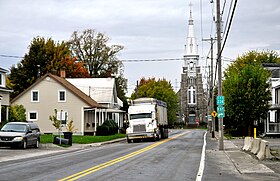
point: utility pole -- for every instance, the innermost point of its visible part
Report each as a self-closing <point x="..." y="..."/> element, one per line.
<point x="212" y="89"/>
<point x="219" y="59"/>
<point x="137" y="89"/>
<point x="211" y="92"/>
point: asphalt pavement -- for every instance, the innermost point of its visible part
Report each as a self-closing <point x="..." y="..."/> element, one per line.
<point x="238" y="162"/>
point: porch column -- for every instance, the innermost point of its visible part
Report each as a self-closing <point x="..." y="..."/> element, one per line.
<point x="7" y="112"/>
<point x="95" y="117"/>
<point x="99" y="119"/>
<point x="102" y="113"/>
<point x="0" y="107"/>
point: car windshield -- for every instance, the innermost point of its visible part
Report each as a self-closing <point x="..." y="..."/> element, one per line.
<point x="140" y="116"/>
<point x="14" y="128"/>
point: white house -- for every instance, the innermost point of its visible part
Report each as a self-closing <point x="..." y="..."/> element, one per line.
<point x="272" y="123"/>
<point x="51" y="92"/>
<point x="4" y="92"/>
<point x="104" y="92"/>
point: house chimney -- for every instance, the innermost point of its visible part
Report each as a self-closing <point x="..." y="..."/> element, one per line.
<point x="62" y="74"/>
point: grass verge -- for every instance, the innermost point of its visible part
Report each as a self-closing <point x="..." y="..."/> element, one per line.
<point x="48" y="138"/>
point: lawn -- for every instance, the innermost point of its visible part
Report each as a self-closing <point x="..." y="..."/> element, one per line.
<point x="48" y="138"/>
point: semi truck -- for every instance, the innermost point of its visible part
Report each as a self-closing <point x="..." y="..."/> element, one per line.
<point x="147" y="119"/>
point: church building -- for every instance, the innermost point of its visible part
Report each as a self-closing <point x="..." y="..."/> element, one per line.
<point x="192" y="97"/>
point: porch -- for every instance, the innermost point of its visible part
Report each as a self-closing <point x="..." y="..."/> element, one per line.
<point x="94" y="117"/>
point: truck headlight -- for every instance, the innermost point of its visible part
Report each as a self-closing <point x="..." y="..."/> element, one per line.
<point x="18" y="138"/>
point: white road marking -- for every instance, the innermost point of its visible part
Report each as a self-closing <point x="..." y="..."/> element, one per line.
<point x="202" y="161"/>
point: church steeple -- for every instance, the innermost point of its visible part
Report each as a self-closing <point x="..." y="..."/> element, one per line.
<point x="191" y="40"/>
<point x="191" y="57"/>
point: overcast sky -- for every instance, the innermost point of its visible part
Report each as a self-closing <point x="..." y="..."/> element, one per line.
<point x="148" y="29"/>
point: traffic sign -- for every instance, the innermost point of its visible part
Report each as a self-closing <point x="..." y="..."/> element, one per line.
<point x="214" y="114"/>
<point x="220" y="109"/>
<point x="220" y="100"/>
<point x="221" y="115"/>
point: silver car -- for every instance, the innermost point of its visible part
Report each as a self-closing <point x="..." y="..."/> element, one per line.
<point x="20" y="134"/>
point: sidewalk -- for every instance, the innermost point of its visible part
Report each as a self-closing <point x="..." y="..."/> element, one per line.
<point x="237" y="163"/>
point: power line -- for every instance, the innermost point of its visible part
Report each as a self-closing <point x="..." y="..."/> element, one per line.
<point x="231" y="18"/>
<point x="10" y="56"/>
<point x="152" y="60"/>
<point x="220" y="53"/>
<point x="227" y="21"/>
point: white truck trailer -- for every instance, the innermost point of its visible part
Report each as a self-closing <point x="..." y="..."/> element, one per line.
<point x="147" y="119"/>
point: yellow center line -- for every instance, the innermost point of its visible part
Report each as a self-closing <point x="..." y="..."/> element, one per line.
<point x="114" y="161"/>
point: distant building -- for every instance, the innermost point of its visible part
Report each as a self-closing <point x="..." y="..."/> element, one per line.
<point x="191" y="94"/>
<point x="272" y="123"/>
<point x="4" y="93"/>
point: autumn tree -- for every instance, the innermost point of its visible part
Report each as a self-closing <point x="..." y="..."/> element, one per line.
<point x="93" y="50"/>
<point x="44" y="55"/>
<point x="162" y="90"/>
<point x="246" y="89"/>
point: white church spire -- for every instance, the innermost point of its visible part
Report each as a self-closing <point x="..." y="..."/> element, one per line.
<point x="191" y="40"/>
<point x="191" y="57"/>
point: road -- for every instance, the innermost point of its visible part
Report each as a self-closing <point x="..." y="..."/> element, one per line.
<point x="170" y="159"/>
<point x="177" y="158"/>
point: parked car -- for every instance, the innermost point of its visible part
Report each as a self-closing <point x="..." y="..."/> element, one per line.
<point x="20" y="134"/>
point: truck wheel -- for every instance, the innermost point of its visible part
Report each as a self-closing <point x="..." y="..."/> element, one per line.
<point x="160" y="136"/>
<point x="128" y="140"/>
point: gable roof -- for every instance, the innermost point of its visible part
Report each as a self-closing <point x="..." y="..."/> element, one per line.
<point x="3" y="70"/>
<point x="68" y="86"/>
<point x="103" y="90"/>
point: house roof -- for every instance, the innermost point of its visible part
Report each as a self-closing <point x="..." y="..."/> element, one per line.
<point x="102" y="90"/>
<point x="5" y="89"/>
<point x="68" y="86"/>
<point x="3" y="70"/>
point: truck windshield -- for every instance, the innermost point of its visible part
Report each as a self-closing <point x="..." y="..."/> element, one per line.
<point x="141" y="116"/>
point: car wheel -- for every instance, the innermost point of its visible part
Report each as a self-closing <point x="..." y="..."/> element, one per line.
<point x="24" y="144"/>
<point x="37" y="144"/>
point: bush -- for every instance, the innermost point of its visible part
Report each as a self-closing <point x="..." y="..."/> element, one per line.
<point x="109" y="127"/>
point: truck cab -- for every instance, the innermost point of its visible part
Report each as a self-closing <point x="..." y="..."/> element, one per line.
<point x="144" y="120"/>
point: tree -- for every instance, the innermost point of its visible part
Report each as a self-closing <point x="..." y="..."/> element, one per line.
<point x="55" y="121"/>
<point x="71" y="66"/>
<point x="246" y="89"/>
<point x="17" y="113"/>
<point x="44" y="56"/>
<point x="91" y="48"/>
<point x="161" y="90"/>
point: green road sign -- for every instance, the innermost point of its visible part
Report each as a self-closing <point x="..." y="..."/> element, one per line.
<point x="221" y="115"/>
<point x="220" y="100"/>
<point x="221" y="109"/>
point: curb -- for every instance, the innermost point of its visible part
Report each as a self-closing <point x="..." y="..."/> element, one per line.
<point x="103" y="143"/>
<point x="81" y="146"/>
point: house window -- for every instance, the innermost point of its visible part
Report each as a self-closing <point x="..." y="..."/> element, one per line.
<point x="276" y="96"/>
<point x="35" y="96"/>
<point x="192" y="96"/>
<point x="1" y="82"/>
<point x="61" y="96"/>
<point x="33" y="116"/>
